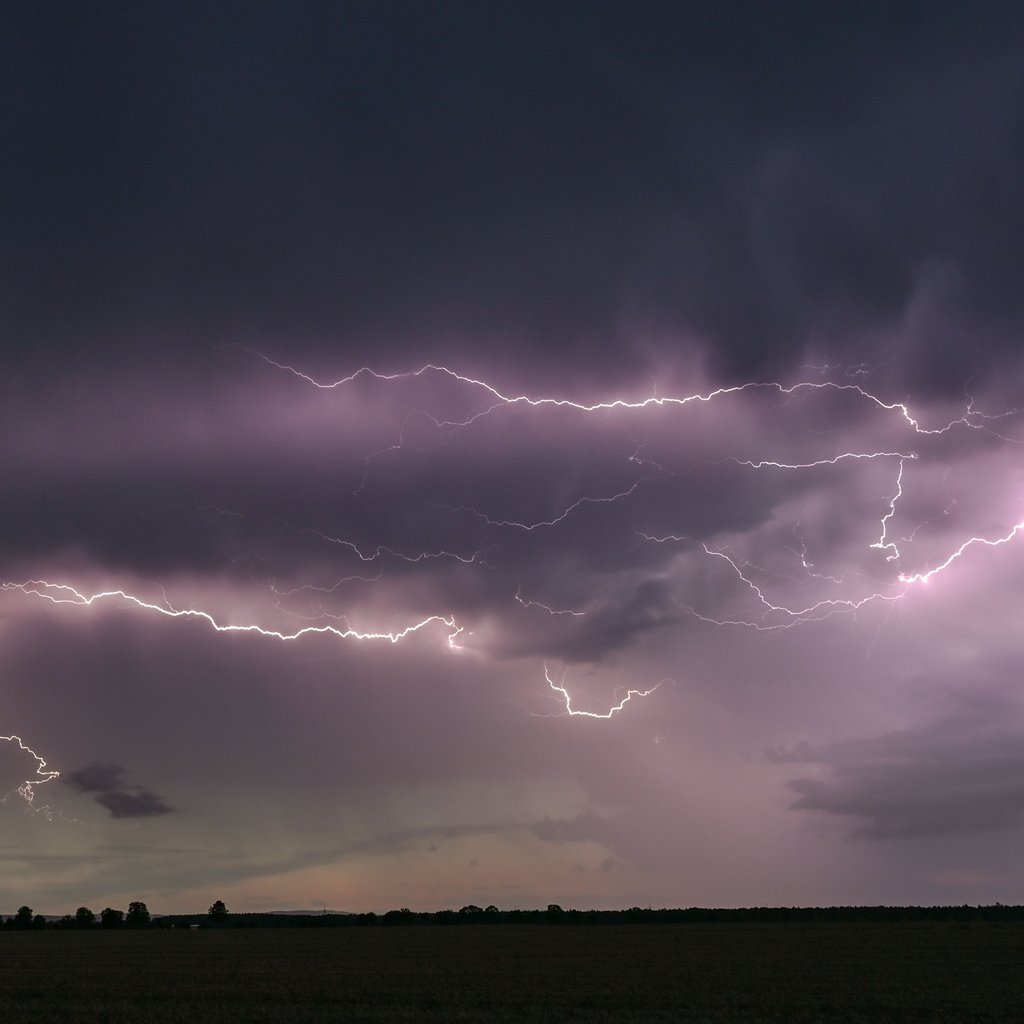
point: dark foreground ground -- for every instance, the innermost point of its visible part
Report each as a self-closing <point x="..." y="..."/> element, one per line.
<point x="936" y="972"/>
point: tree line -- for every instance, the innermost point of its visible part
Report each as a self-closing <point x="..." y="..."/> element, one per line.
<point x="218" y="916"/>
<point x="137" y="916"/>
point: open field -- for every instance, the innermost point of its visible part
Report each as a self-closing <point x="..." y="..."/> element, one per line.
<point x="946" y="972"/>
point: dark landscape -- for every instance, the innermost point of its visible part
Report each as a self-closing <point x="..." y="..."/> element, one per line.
<point x="864" y="965"/>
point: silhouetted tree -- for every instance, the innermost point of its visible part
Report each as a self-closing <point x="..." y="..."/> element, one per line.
<point x="218" y="912"/>
<point x="39" y="921"/>
<point x="84" y="917"/>
<point x="23" y="918"/>
<point x="111" y="918"/>
<point x="138" y="914"/>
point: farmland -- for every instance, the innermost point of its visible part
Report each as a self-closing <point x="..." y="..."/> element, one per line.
<point x="747" y="972"/>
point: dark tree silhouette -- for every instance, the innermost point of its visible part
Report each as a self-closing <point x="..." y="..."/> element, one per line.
<point x="218" y="912"/>
<point x="111" y="918"/>
<point x="23" y="918"/>
<point x="138" y="914"/>
<point x="84" y="917"/>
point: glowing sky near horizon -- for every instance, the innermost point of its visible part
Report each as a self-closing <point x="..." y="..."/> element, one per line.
<point x="411" y="501"/>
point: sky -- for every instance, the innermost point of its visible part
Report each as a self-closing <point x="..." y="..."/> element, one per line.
<point x="511" y="454"/>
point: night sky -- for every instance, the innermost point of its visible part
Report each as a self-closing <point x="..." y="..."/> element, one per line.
<point x="511" y="454"/>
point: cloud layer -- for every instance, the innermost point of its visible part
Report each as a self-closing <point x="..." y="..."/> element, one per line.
<point x="400" y="390"/>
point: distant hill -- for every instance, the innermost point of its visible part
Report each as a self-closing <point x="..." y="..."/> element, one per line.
<point x="319" y="912"/>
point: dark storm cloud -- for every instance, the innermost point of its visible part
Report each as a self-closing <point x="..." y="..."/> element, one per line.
<point x="939" y="780"/>
<point x="614" y="622"/>
<point x="105" y="782"/>
<point x="565" y="532"/>
<point x="95" y="778"/>
<point x="545" y="178"/>
<point x="137" y="803"/>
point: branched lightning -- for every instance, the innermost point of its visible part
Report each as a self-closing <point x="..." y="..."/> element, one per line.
<point x="989" y="542"/>
<point x="547" y="608"/>
<point x="882" y="544"/>
<point x="561" y="517"/>
<point x="968" y="419"/>
<point x="26" y="787"/>
<point x="809" y="567"/>
<point x="378" y="552"/>
<point x="772" y="613"/>
<point x="826" y="607"/>
<point x="560" y="689"/>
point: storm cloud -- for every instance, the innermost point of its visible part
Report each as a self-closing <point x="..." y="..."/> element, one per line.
<point x="105" y="782"/>
<point x="944" y="779"/>
<point x="494" y="428"/>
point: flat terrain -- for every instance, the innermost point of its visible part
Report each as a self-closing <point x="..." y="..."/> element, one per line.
<point x="870" y="973"/>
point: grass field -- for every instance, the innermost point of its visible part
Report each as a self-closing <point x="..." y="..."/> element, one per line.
<point x="869" y="973"/>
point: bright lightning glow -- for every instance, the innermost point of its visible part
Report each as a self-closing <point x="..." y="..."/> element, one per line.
<point x="990" y="542"/>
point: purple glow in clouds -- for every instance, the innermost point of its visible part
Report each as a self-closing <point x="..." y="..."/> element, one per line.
<point x="457" y="455"/>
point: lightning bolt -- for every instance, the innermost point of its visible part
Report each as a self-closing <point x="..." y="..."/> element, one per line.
<point x="766" y="463"/>
<point x="63" y="593"/>
<point x="967" y="419"/>
<point x="988" y="542"/>
<point x="560" y="689"/>
<point x="822" y="609"/>
<point x="882" y="544"/>
<point x="560" y="518"/>
<point x="379" y="551"/>
<point x="26" y="788"/>
<point x="544" y="607"/>
<point x="774" y="614"/>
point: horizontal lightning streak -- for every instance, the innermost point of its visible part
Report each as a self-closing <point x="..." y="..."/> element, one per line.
<point x="551" y="611"/>
<point x="652" y="401"/>
<point x="382" y="549"/>
<point x="767" y="463"/>
<point x="530" y="527"/>
<point x="377" y="554"/>
<point x="62" y="593"/>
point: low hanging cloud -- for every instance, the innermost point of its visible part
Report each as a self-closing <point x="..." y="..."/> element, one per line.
<point x="105" y="782"/>
<point x="944" y="779"/>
